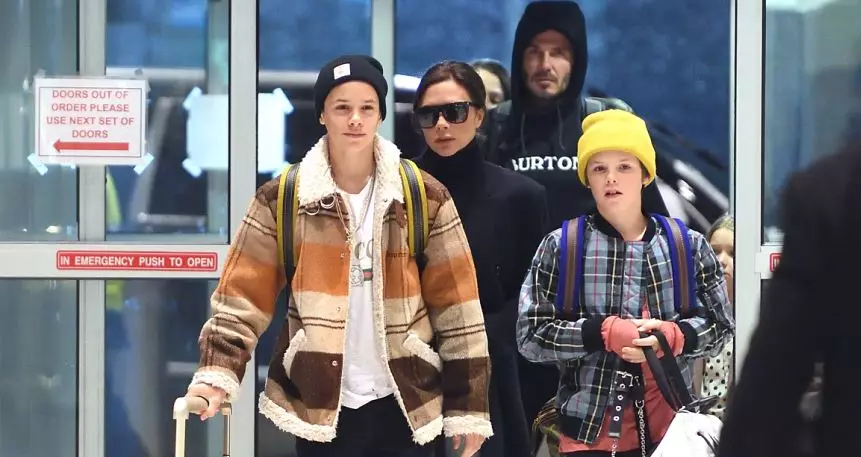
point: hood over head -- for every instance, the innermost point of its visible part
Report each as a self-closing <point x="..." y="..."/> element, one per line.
<point x="540" y="16"/>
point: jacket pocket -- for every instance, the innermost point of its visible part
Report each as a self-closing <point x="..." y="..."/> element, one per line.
<point x="425" y="362"/>
<point x="297" y="343"/>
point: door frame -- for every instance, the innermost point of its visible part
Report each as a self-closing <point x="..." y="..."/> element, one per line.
<point x="748" y="120"/>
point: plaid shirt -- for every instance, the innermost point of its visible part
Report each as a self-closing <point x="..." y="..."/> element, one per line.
<point x="620" y="279"/>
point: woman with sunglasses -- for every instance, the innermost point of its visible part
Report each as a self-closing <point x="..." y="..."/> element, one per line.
<point x="353" y="373"/>
<point x="503" y="214"/>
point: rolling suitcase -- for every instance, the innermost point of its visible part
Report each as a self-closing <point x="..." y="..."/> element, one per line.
<point x="184" y="406"/>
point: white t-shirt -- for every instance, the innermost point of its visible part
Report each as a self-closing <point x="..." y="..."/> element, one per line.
<point x="367" y="373"/>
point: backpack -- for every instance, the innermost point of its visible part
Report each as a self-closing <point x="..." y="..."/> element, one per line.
<point x="415" y="199"/>
<point x="588" y="105"/>
<point x="571" y="261"/>
<point x="500" y="115"/>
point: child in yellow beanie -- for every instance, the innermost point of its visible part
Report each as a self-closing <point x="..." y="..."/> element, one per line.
<point x="614" y="133"/>
<point x="604" y="286"/>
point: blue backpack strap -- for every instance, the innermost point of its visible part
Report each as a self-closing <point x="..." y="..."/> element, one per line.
<point x="570" y="281"/>
<point x="682" y="260"/>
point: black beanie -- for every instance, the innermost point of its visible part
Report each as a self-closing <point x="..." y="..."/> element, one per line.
<point x="350" y="68"/>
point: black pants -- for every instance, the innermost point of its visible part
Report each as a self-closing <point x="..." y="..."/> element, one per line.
<point x="538" y="383"/>
<point x="510" y="431"/>
<point x="378" y="428"/>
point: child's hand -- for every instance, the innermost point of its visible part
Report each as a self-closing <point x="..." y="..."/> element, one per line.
<point x="669" y="329"/>
<point x="647" y="325"/>
<point x="618" y="333"/>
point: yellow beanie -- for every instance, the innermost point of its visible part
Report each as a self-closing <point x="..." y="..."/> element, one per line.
<point x="615" y="130"/>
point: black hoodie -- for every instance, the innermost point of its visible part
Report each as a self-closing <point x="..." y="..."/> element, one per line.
<point x="540" y="141"/>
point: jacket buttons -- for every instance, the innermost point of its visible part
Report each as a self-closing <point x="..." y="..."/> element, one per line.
<point x="334" y="363"/>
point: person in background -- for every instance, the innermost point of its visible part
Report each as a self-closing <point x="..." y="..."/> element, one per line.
<point x="713" y="376"/>
<point x="504" y="215"/>
<point x="628" y="291"/>
<point x="809" y="315"/>
<point x="497" y="81"/>
<point x="353" y="372"/>
<point x="536" y="133"/>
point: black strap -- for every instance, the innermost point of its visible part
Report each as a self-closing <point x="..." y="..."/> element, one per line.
<point x="418" y="210"/>
<point x="620" y="402"/>
<point x="668" y="375"/>
<point x="629" y="394"/>
<point x="673" y="371"/>
<point x="287" y="222"/>
<point x="669" y="394"/>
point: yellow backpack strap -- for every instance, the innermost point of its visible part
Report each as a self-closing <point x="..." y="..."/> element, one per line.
<point x="416" y="202"/>
<point x="288" y="208"/>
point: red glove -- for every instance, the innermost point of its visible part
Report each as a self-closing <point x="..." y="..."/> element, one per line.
<point x="674" y="336"/>
<point x="618" y="333"/>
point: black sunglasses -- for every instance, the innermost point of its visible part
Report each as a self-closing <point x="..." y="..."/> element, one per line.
<point x="455" y="113"/>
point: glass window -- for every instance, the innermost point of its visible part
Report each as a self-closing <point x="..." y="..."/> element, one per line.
<point x="812" y="90"/>
<point x="38" y="36"/>
<point x="38" y="359"/>
<point x="161" y="34"/>
<point x="667" y="60"/>
<point x="181" y="48"/>
<point x="304" y="35"/>
<point x="151" y="353"/>
<point x="296" y="39"/>
<point x="429" y="32"/>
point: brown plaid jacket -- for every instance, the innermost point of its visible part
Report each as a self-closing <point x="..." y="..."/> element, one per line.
<point x="438" y="391"/>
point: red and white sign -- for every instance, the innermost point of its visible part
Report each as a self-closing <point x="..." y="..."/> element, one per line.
<point x="137" y="261"/>
<point x="773" y="261"/>
<point x="90" y="121"/>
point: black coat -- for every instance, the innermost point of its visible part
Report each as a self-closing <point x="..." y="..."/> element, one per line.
<point x="505" y="217"/>
<point x="809" y="312"/>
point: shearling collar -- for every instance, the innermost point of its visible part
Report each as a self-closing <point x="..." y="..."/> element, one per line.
<point x="315" y="177"/>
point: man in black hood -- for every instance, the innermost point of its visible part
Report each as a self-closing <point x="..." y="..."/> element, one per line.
<point x="537" y="131"/>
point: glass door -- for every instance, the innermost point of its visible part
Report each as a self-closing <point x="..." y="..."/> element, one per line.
<point x="797" y="100"/>
<point x="39" y="328"/>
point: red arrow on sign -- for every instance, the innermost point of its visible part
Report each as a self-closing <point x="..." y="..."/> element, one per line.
<point x="89" y="146"/>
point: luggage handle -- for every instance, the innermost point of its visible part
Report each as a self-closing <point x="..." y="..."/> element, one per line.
<point x="183" y="406"/>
